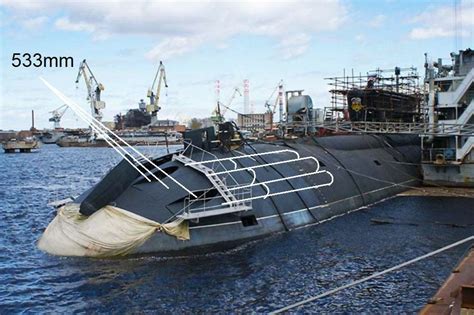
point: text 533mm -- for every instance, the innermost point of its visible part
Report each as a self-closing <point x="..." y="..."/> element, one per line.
<point x="37" y="60"/>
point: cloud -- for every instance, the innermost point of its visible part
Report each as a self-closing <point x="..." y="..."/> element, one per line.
<point x="294" y="46"/>
<point x="437" y="22"/>
<point x="174" y="46"/>
<point x="377" y="21"/>
<point x="34" y="23"/>
<point x="430" y="32"/>
<point x="65" y="24"/>
<point x="180" y="27"/>
<point x="360" y="38"/>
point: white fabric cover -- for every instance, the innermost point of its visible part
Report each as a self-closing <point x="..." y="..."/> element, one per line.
<point x="110" y="231"/>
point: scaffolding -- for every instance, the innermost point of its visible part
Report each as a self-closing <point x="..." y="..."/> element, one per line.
<point x="379" y="95"/>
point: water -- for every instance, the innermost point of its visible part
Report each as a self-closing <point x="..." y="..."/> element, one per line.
<point x="259" y="276"/>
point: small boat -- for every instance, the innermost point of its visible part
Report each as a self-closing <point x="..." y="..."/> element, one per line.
<point x="23" y="146"/>
<point x="81" y="141"/>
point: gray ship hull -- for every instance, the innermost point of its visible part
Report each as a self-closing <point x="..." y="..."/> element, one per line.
<point x="366" y="169"/>
<point x="52" y="137"/>
<point x="450" y="175"/>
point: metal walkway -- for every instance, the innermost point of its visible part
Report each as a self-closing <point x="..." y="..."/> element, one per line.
<point x="234" y="205"/>
<point x="439" y="129"/>
<point x="210" y="174"/>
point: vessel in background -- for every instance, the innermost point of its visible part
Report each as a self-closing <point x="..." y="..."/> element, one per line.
<point x="448" y="144"/>
<point x="22" y="146"/>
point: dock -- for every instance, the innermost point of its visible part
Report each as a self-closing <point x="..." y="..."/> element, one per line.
<point x="429" y="191"/>
<point x="456" y="295"/>
<point x="22" y="146"/>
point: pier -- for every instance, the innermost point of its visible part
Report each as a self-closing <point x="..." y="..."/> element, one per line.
<point x="22" y="146"/>
<point x="439" y="191"/>
<point x="456" y="295"/>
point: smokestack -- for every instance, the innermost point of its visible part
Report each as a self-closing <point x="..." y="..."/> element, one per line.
<point x="32" y="120"/>
<point x="246" y="97"/>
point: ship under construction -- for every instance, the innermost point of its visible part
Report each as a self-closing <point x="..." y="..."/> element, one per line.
<point x="440" y="111"/>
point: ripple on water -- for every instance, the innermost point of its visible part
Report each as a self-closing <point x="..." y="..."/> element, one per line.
<point x="259" y="276"/>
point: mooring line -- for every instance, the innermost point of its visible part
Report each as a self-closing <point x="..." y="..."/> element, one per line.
<point x="377" y="274"/>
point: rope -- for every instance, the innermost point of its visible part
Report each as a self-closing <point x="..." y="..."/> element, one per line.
<point x="447" y="192"/>
<point x="342" y="165"/>
<point x="422" y="189"/>
<point x="377" y="274"/>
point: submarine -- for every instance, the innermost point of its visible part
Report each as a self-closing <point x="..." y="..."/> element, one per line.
<point x="221" y="190"/>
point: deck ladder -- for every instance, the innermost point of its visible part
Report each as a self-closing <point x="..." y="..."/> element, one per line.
<point x="222" y="188"/>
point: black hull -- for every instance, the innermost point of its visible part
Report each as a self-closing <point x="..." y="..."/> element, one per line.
<point x="380" y="105"/>
<point x="366" y="169"/>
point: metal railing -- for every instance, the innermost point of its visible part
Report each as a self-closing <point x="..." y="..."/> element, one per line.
<point x="238" y="197"/>
<point x="214" y="166"/>
<point x="396" y="127"/>
<point x="204" y="203"/>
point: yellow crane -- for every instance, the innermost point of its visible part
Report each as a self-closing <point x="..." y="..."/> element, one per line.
<point x="268" y="105"/>
<point x="94" y="89"/>
<point x="218" y="113"/>
<point x="154" y="106"/>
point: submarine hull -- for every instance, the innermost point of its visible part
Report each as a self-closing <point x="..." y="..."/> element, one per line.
<point x="365" y="168"/>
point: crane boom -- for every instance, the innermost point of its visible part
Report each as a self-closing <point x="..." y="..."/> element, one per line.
<point x="218" y="113"/>
<point x="231" y="99"/>
<point x="94" y="88"/>
<point x="57" y="114"/>
<point x="277" y="99"/>
<point x="154" y="106"/>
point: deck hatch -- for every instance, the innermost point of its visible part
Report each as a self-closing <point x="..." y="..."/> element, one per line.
<point x="249" y="220"/>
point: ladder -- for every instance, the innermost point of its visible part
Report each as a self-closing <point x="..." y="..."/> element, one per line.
<point x="218" y="183"/>
<point x="328" y="114"/>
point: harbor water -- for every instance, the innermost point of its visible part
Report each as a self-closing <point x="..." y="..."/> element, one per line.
<point x="259" y="276"/>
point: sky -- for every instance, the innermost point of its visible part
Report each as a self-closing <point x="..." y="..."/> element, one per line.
<point x="299" y="42"/>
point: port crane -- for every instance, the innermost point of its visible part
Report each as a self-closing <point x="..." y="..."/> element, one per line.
<point x="218" y="113"/>
<point x="57" y="114"/>
<point x="278" y="100"/>
<point x="94" y="89"/>
<point x="153" y="107"/>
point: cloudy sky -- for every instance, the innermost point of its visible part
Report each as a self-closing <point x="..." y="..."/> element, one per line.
<point x="301" y="42"/>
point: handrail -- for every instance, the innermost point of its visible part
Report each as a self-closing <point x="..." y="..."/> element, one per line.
<point x="247" y="156"/>
<point x="240" y="190"/>
<point x="398" y="127"/>
<point x="199" y="198"/>
<point x="215" y="156"/>
<point x="465" y="149"/>
<point x="242" y="193"/>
